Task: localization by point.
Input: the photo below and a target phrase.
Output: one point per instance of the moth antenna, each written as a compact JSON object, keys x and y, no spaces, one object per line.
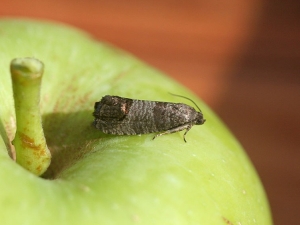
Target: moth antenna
{"x":187,"y":99}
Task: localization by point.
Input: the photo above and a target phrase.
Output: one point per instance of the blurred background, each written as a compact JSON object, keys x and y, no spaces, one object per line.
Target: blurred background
{"x":241,"y":57}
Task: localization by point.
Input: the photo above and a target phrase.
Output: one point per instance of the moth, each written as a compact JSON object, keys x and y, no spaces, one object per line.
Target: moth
{"x":124,"y":116}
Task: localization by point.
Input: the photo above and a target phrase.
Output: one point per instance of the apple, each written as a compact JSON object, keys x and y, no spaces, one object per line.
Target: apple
{"x":95,"y":178}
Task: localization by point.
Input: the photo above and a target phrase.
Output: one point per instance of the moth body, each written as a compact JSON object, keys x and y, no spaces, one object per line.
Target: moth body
{"x":124,"y":116}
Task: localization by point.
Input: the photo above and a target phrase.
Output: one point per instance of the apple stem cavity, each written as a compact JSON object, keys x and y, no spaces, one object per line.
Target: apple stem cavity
{"x":30,"y":145}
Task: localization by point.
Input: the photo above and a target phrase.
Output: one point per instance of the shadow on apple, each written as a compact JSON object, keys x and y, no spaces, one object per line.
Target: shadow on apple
{"x":68,"y":135}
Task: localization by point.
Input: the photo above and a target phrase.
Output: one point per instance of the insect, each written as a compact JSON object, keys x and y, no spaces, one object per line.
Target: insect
{"x":125,"y":116}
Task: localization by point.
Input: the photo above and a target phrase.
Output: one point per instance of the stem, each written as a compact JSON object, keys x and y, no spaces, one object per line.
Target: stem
{"x":30,"y":144}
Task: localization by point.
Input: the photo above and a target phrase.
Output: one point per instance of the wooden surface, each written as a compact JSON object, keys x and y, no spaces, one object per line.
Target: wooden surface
{"x":241,"y":57}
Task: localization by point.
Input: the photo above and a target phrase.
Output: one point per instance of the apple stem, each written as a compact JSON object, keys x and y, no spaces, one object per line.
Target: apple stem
{"x":30,"y":144}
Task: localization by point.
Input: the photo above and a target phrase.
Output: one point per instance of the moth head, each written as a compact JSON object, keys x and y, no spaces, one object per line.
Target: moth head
{"x":199,"y":119}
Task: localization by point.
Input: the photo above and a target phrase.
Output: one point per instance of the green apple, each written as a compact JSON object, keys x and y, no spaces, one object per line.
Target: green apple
{"x":96,"y":178}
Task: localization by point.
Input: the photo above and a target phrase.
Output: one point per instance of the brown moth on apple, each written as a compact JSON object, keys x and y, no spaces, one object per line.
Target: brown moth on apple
{"x":124,"y":116}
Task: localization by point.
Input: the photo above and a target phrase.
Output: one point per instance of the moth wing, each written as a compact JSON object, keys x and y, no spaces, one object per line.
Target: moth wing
{"x":112,"y":108}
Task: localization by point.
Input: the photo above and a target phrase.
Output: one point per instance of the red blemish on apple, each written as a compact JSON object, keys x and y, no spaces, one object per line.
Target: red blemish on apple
{"x":120,"y":76}
{"x":28,"y":142}
{"x":39,"y":168}
{"x":84,"y":98}
{"x":63,"y":105}
{"x":227,"y":221}
{"x":60,"y":105}
{"x":72,"y":88}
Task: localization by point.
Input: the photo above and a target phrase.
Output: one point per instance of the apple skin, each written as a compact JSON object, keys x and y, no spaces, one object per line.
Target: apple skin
{"x":96,"y":178}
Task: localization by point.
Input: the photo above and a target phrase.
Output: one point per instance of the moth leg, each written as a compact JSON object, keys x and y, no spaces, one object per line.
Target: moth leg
{"x":174,"y":130}
{"x":187,"y":129}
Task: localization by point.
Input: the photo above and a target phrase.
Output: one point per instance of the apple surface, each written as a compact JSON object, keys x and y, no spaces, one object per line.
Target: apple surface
{"x":96,"y":178}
